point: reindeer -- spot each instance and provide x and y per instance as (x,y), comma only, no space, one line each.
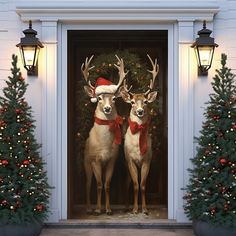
(101,148)
(137,145)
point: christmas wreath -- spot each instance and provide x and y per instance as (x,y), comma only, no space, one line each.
(137,76)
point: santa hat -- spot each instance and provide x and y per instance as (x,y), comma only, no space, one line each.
(103,86)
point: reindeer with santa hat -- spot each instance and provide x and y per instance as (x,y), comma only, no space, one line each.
(101,148)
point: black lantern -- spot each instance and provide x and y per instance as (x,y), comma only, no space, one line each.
(29,48)
(204,48)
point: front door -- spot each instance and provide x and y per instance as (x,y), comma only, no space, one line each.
(82,44)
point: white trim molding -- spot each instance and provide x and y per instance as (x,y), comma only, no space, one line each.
(178,18)
(122,11)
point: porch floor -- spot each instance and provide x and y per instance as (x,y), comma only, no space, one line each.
(115,232)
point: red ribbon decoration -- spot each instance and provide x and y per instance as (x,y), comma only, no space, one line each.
(143,128)
(114,126)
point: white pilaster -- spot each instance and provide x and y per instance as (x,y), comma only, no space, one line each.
(49,114)
(185,112)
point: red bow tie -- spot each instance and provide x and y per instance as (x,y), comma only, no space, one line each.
(143,128)
(114,126)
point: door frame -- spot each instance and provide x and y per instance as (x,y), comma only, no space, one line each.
(63,102)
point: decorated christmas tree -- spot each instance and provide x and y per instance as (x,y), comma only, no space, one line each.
(211,193)
(24,191)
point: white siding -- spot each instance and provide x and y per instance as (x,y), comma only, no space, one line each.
(10,32)
(224,32)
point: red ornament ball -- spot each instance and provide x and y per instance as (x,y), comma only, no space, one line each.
(4,202)
(223,161)
(2,123)
(26,162)
(39,207)
(216,117)
(29,124)
(226,207)
(4,162)
(18,111)
(22,130)
(223,189)
(213,211)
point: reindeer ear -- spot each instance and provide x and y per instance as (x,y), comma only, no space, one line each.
(124,94)
(152,96)
(89,91)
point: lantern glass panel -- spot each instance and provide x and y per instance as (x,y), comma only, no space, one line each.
(29,56)
(205,55)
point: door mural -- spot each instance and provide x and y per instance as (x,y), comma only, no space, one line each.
(115,54)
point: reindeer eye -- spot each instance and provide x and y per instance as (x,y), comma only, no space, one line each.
(99,98)
(114,98)
(132,102)
(145,102)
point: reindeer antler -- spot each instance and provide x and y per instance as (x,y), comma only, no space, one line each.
(85,70)
(121,68)
(154,72)
(126,87)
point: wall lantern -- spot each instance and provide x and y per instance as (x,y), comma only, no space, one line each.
(29,47)
(204,47)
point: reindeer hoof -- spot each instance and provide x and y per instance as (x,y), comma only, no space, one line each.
(145,211)
(97,212)
(135,211)
(109,212)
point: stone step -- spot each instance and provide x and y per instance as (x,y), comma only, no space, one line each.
(158,224)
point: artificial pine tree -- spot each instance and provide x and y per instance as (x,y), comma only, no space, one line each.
(211,193)
(24,191)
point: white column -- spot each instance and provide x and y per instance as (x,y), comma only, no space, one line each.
(49,114)
(185,112)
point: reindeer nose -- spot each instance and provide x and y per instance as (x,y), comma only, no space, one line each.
(107,109)
(140,112)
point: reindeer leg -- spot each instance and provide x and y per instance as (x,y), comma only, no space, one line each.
(134,175)
(89,175)
(97,170)
(144,173)
(108,175)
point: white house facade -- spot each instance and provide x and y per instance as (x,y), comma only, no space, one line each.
(48,92)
